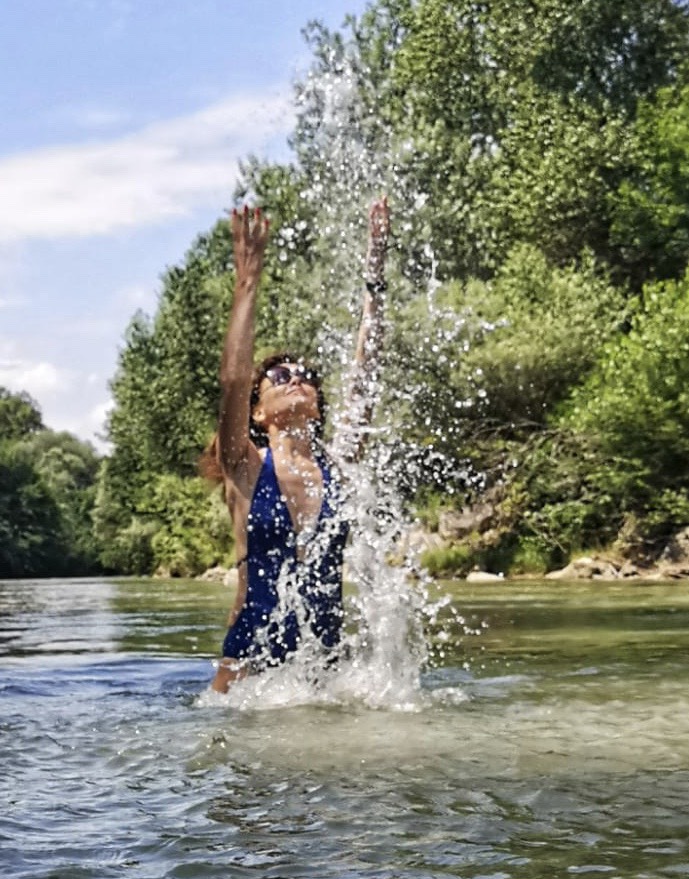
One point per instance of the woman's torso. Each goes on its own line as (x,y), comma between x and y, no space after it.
(293,578)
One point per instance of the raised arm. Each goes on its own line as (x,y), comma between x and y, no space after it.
(249,238)
(363,382)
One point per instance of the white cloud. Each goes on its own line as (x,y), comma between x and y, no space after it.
(133,296)
(82,413)
(92,118)
(11,302)
(38,378)
(11,269)
(113,316)
(164,170)
(89,425)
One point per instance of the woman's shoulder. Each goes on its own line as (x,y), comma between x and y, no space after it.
(244,476)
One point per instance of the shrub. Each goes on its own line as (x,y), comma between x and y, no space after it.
(454,560)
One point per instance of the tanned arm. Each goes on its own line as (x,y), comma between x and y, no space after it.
(238,457)
(362,388)
(249,238)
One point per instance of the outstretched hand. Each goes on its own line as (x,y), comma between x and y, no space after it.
(378,233)
(249,239)
(379,221)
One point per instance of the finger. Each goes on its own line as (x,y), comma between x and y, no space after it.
(235,224)
(256,222)
(245,221)
(262,224)
(259,226)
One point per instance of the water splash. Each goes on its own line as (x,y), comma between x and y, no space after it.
(383,649)
(352,160)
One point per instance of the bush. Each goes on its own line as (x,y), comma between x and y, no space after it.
(633,412)
(455,561)
(496,359)
(130,550)
(193,526)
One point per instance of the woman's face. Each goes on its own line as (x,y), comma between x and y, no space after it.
(287,395)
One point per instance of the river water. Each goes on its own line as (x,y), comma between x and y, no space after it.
(548,736)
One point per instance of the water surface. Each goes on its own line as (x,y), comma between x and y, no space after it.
(549,737)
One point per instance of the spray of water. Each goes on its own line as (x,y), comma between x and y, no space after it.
(385,649)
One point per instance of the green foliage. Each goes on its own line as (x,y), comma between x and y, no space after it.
(19,415)
(635,405)
(166,398)
(454,561)
(180,527)
(606,55)
(516,119)
(666,513)
(651,206)
(130,551)
(533,556)
(429,506)
(68,468)
(166,387)
(558,159)
(637,399)
(194,530)
(30,526)
(497,358)
(46,495)
(291,302)
(535,155)
(612,465)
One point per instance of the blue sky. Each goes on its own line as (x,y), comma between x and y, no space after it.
(122,125)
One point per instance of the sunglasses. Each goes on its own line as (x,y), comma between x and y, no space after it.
(283,375)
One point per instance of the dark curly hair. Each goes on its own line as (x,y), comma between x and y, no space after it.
(209,463)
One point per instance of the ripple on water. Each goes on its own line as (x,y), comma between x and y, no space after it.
(547,765)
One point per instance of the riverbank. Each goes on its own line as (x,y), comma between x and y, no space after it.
(476,557)
(592,568)
(589,567)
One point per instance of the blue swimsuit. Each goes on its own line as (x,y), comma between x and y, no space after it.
(286,596)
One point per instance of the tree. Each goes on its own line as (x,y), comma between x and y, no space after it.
(30,526)
(635,406)
(614,464)
(520,119)
(488,363)
(166,398)
(651,206)
(19,415)
(534,153)
(194,526)
(46,495)
(68,467)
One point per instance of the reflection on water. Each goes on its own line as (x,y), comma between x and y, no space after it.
(552,740)
(57,617)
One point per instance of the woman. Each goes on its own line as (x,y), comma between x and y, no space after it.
(283,499)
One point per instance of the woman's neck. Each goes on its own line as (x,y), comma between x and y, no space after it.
(292,443)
